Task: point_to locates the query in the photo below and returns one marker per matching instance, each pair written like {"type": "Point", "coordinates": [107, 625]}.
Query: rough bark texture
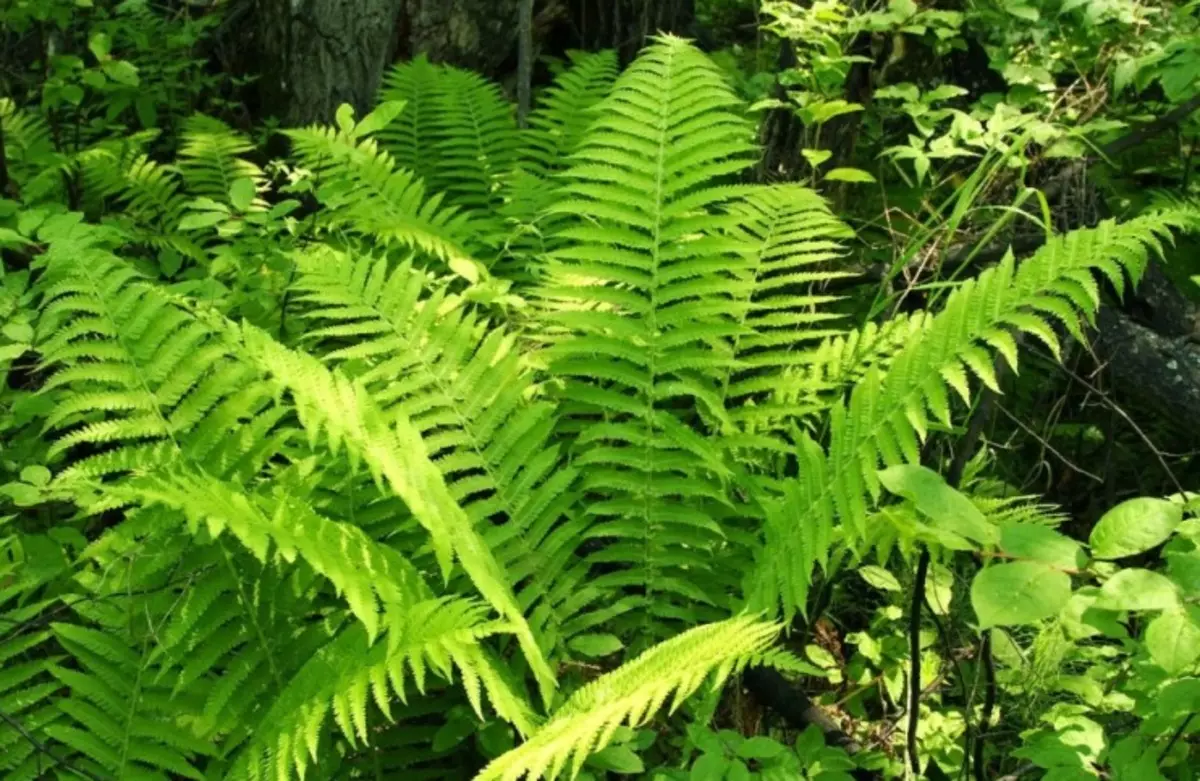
{"type": "Point", "coordinates": [624, 25]}
{"type": "Point", "coordinates": [318, 54]}
{"type": "Point", "coordinates": [476, 34]}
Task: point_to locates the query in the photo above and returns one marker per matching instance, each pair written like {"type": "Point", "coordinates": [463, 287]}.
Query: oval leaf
{"type": "Point", "coordinates": [1138, 589]}
{"type": "Point", "coordinates": [1173, 640]}
{"type": "Point", "coordinates": [1134, 526]}
{"type": "Point", "coordinates": [1023, 592]}
{"type": "Point", "coordinates": [1040, 543]}
{"type": "Point", "coordinates": [934, 498]}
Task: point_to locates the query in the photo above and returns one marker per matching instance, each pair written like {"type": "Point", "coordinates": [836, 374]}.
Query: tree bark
{"type": "Point", "coordinates": [476, 34]}
{"type": "Point", "coordinates": [318, 54]}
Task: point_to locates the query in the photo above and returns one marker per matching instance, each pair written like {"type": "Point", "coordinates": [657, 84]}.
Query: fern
{"type": "Point", "coordinates": [673, 670]}
{"type": "Point", "coordinates": [410, 137]}
{"type": "Point", "coordinates": [887, 415]}
{"type": "Point", "coordinates": [211, 159]}
{"type": "Point", "coordinates": [423, 355]}
{"type": "Point", "coordinates": [393, 452]}
{"type": "Point", "coordinates": [794, 238]}
{"type": "Point", "coordinates": [566, 110]}
{"type": "Point", "coordinates": [362, 188]}
{"type": "Point", "coordinates": [645, 286]}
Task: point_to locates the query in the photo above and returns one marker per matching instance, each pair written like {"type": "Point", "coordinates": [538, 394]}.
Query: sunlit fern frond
{"type": "Point", "coordinates": [888, 414]}
{"type": "Point", "coordinates": [796, 242]}
{"type": "Point", "coordinates": [631, 695]}
{"type": "Point", "coordinates": [354, 680]}
{"type": "Point", "coordinates": [211, 159]}
{"type": "Point", "coordinates": [645, 287]}
{"type": "Point", "coordinates": [342, 414]}
{"type": "Point", "coordinates": [362, 188]}
{"type": "Point", "coordinates": [139, 380]}
{"type": "Point", "coordinates": [426, 356]}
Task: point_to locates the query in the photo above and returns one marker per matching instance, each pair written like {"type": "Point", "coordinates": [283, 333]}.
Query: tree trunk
{"type": "Point", "coordinates": [476, 34]}
{"type": "Point", "coordinates": [625, 25]}
{"type": "Point", "coordinates": [318, 54]}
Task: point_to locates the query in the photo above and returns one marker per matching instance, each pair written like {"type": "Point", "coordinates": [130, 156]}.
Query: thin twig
{"type": "Point", "coordinates": [989, 703]}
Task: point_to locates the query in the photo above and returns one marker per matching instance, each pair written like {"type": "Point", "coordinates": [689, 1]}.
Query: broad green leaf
{"type": "Point", "coordinates": [596, 644]}
{"type": "Point", "coordinates": [848, 175]}
{"type": "Point", "coordinates": [199, 220]}
{"type": "Point", "coordinates": [816, 157]}
{"type": "Point", "coordinates": [1138, 589]}
{"type": "Point", "coordinates": [1023, 592]}
{"type": "Point", "coordinates": [99, 44]}
{"type": "Point", "coordinates": [1184, 570]}
{"type": "Point", "coordinates": [1040, 543]}
{"type": "Point", "coordinates": [344, 116]}
{"type": "Point", "coordinates": [18, 332]}
{"type": "Point", "coordinates": [943, 505]}
{"type": "Point", "coordinates": [879, 578]}
{"type": "Point", "coordinates": [759, 747]}
{"type": "Point", "coordinates": [121, 71]}
{"type": "Point", "coordinates": [1173, 639]}
{"type": "Point", "coordinates": [618, 759]}
{"type": "Point", "coordinates": [1179, 698]}
{"type": "Point", "coordinates": [242, 193]}
{"type": "Point", "coordinates": [939, 589]}
{"type": "Point", "coordinates": [380, 118]}
{"type": "Point", "coordinates": [36, 474]}
{"type": "Point", "coordinates": [1134, 526]}
{"type": "Point", "coordinates": [709, 767]}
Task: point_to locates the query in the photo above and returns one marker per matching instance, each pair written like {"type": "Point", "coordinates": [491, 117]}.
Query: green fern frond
{"type": "Point", "coordinates": [362, 188]}
{"type": "Point", "coordinates": [351, 678]}
{"type": "Point", "coordinates": [795, 239]}
{"type": "Point", "coordinates": [631, 694]}
{"type": "Point", "coordinates": [887, 415]}
{"type": "Point", "coordinates": [423, 355]}
{"type": "Point", "coordinates": [411, 137]}
{"type": "Point", "coordinates": [142, 380]}
{"type": "Point", "coordinates": [645, 286]}
{"type": "Point", "coordinates": [341, 413]}
{"type": "Point", "coordinates": [33, 163]}
{"type": "Point", "coordinates": [210, 159]}
{"type": "Point", "coordinates": [477, 141]}
{"type": "Point", "coordinates": [566, 109]}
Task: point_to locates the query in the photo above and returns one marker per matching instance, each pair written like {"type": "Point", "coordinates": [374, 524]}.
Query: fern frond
{"type": "Point", "coordinates": [566, 109]}
{"type": "Point", "coordinates": [211, 159]}
{"type": "Point", "coordinates": [645, 286]}
{"type": "Point", "coordinates": [362, 188]}
{"type": "Point", "coordinates": [342, 413]}
{"type": "Point", "coordinates": [795, 239]}
{"type": "Point", "coordinates": [477, 142]}
{"type": "Point", "coordinates": [144, 380]}
{"type": "Point", "coordinates": [426, 357]}
{"type": "Point", "coordinates": [631, 694]}
{"type": "Point", "coordinates": [411, 137]}
{"type": "Point", "coordinates": [351, 676]}
{"type": "Point", "coordinates": [887, 415]}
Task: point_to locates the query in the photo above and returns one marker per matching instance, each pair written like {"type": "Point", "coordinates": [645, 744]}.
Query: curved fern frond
{"type": "Point", "coordinates": [422, 355]}
{"type": "Point", "coordinates": [351, 676]}
{"type": "Point", "coordinates": [646, 285]}
{"type": "Point", "coordinates": [361, 188]}
{"type": "Point", "coordinates": [887, 415]}
{"type": "Point", "coordinates": [341, 413]}
{"type": "Point", "coordinates": [631, 694]}
{"type": "Point", "coordinates": [140, 379]}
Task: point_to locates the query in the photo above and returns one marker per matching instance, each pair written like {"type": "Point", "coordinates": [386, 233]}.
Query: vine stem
{"type": "Point", "coordinates": [989, 702]}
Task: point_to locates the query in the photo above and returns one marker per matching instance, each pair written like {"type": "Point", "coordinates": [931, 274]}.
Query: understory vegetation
{"type": "Point", "coordinates": [751, 411]}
